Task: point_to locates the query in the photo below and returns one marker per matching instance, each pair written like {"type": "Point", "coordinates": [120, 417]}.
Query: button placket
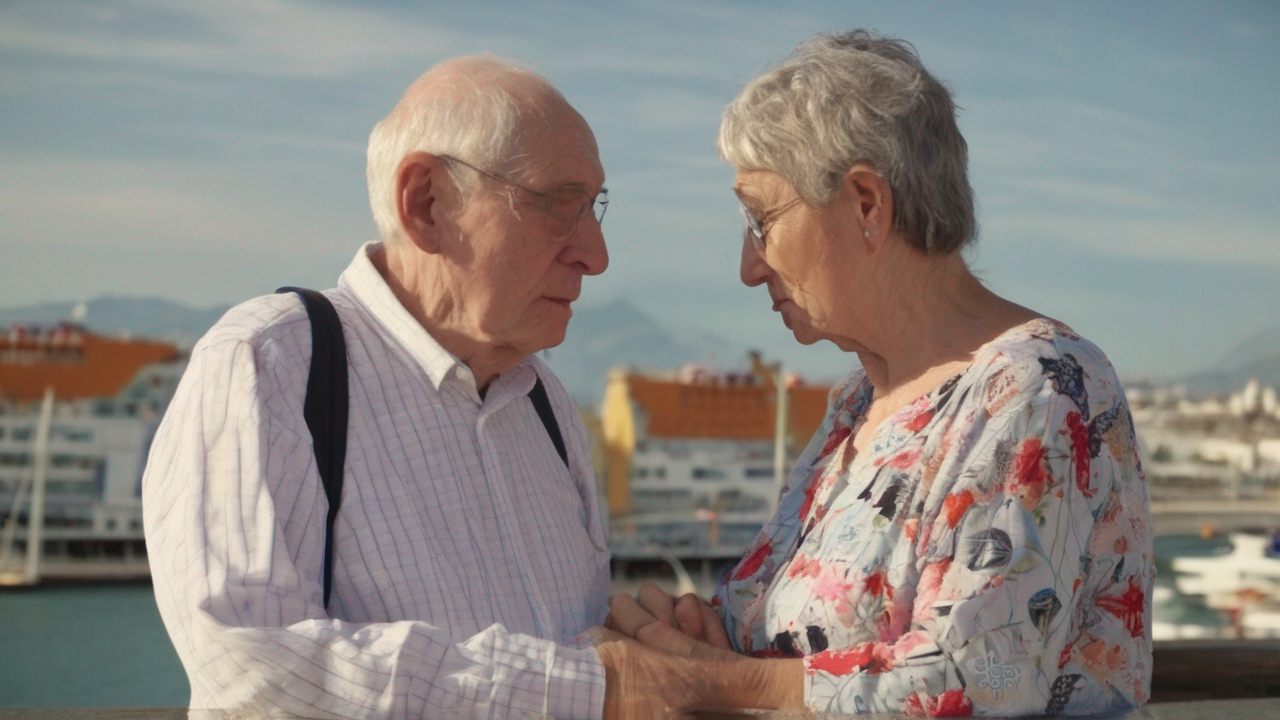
{"type": "Point", "coordinates": [497, 482]}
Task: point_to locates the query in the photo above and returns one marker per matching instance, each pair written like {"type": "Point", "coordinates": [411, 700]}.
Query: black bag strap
{"type": "Point", "coordinates": [325, 408]}
{"type": "Point", "coordinates": [538, 395]}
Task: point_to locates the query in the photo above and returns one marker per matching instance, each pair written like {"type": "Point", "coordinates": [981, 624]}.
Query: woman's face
{"type": "Point", "coordinates": [808, 261]}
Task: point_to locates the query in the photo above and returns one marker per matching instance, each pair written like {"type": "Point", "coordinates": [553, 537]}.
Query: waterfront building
{"type": "Point", "coordinates": [100, 400]}
{"type": "Point", "coordinates": [691, 457]}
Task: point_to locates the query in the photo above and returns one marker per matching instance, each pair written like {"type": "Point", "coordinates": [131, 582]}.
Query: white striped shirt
{"type": "Point", "coordinates": [468, 562]}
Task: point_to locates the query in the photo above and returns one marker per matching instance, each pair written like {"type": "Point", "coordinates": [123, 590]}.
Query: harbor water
{"type": "Point", "coordinates": [104, 645]}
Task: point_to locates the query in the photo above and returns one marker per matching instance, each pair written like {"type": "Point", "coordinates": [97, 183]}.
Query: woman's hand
{"type": "Point", "coordinates": [689, 614]}
{"type": "Point", "coordinates": [667, 673]}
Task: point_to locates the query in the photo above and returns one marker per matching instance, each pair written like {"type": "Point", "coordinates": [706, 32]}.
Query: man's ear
{"type": "Point", "coordinates": [871, 202]}
{"type": "Point", "coordinates": [416, 194]}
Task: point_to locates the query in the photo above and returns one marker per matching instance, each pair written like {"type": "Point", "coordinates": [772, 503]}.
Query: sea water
{"type": "Point", "coordinates": [86, 645]}
{"type": "Point", "coordinates": [105, 646]}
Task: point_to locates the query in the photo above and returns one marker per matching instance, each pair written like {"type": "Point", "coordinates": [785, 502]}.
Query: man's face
{"type": "Point", "coordinates": [520, 276]}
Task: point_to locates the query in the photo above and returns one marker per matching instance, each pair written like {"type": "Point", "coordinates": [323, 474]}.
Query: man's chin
{"type": "Point", "coordinates": [552, 337]}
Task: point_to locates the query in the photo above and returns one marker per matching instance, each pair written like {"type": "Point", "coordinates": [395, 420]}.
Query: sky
{"type": "Point", "coordinates": [1124, 156]}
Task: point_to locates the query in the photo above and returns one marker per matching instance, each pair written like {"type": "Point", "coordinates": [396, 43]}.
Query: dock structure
{"type": "Point", "coordinates": [77, 413]}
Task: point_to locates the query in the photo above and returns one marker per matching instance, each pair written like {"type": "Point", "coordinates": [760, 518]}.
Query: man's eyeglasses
{"type": "Point", "coordinates": [564, 208]}
{"type": "Point", "coordinates": [757, 228]}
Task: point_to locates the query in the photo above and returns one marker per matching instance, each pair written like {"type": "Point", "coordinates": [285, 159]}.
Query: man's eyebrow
{"type": "Point", "coordinates": [577, 187]}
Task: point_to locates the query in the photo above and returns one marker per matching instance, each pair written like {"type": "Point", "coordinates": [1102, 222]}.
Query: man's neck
{"type": "Point", "coordinates": [485, 361]}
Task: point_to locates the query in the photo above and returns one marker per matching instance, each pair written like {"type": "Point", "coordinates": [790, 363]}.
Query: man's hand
{"type": "Point", "coordinates": [666, 674]}
{"type": "Point", "coordinates": [689, 614]}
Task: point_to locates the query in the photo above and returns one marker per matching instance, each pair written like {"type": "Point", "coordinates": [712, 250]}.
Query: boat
{"type": "Point", "coordinates": [78, 411]}
{"type": "Point", "coordinates": [1243, 584]}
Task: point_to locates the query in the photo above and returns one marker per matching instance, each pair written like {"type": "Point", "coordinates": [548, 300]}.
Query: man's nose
{"type": "Point", "coordinates": [586, 248]}
{"type": "Point", "coordinates": [752, 269]}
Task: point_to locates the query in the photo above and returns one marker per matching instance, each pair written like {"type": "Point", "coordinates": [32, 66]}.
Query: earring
{"type": "Point", "coordinates": [866, 234]}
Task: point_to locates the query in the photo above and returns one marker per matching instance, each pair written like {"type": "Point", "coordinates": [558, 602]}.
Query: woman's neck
{"type": "Point", "coordinates": [933, 315]}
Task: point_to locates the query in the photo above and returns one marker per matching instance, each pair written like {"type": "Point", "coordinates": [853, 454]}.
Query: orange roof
{"type": "Point", "coordinates": [729, 412]}
{"type": "Point", "coordinates": [78, 364]}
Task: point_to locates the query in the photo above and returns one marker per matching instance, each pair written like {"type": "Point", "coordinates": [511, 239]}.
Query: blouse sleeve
{"type": "Point", "coordinates": [1031, 578]}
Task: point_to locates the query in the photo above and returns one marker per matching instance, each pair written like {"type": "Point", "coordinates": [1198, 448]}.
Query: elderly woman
{"type": "Point", "coordinates": [968, 533]}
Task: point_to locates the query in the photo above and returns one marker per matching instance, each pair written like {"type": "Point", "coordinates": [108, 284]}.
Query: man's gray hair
{"type": "Point", "coordinates": [475, 121]}
{"type": "Point", "coordinates": [842, 99]}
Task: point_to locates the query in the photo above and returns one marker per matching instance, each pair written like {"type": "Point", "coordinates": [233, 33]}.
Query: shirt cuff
{"type": "Point", "coordinates": [575, 684]}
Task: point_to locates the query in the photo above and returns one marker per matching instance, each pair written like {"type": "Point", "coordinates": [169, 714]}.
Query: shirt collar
{"type": "Point", "coordinates": [364, 281]}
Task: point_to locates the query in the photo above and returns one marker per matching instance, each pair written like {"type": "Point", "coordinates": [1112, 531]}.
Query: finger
{"type": "Point", "coordinates": [666, 639]}
{"type": "Point", "coordinates": [713, 628]}
{"type": "Point", "coordinates": [604, 634]}
{"type": "Point", "coordinates": [674, 642]}
{"type": "Point", "coordinates": [689, 616]}
{"type": "Point", "coordinates": [658, 603]}
{"type": "Point", "coordinates": [628, 616]}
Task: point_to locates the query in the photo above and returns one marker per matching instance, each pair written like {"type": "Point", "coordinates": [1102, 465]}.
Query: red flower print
{"type": "Point", "coordinates": [917, 423]}
{"type": "Point", "coordinates": [862, 657]}
{"type": "Point", "coordinates": [930, 585]}
{"type": "Point", "coordinates": [1128, 607]}
{"type": "Point", "coordinates": [803, 566]}
{"type": "Point", "coordinates": [838, 435]}
{"type": "Point", "coordinates": [1065, 656]}
{"type": "Point", "coordinates": [752, 562]}
{"type": "Point", "coordinates": [809, 494]}
{"type": "Point", "coordinates": [1029, 475]}
{"type": "Point", "coordinates": [877, 584]}
{"type": "Point", "coordinates": [955, 505]}
{"type": "Point", "coordinates": [952, 703]}
{"type": "Point", "coordinates": [906, 459]}
{"type": "Point", "coordinates": [911, 528]}
{"type": "Point", "coordinates": [1080, 451]}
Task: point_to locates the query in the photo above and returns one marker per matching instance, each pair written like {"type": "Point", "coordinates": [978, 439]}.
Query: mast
{"type": "Point", "coordinates": [40, 463]}
{"type": "Point", "coordinates": [782, 413]}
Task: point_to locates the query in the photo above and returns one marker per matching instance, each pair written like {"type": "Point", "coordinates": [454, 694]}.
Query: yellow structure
{"type": "Point", "coordinates": [638, 408]}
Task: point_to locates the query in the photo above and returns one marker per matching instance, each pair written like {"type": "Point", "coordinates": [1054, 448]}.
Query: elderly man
{"type": "Point", "coordinates": [468, 557]}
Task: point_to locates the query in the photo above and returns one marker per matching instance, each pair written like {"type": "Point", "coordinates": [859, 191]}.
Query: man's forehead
{"type": "Point", "coordinates": [562, 153]}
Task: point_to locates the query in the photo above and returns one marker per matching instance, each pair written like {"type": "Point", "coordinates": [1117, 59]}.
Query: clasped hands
{"type": "Point", "coordinates": [664, 657]}
{"type": "Point", "coordinates": [685, 627]}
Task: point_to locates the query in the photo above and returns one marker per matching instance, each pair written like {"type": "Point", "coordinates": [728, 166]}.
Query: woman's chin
{"type": "Point", "coordinates": [804, 334]}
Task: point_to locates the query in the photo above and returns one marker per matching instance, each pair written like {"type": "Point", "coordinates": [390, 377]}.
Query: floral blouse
{"type": "Point", "coordinates": [988, 553]}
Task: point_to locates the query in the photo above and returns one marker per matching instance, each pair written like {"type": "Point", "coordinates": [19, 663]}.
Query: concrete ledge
{"type": "Point", "coordinates": [1208, 710]}
{"type": "Point", "coordinates": [1188, 670]}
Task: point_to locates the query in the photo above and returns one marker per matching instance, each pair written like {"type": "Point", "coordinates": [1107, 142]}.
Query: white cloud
{"type": "Point", "coordinates": [664, 109]}
{"type": "Point", "coordinates": [158, 203]}
{"type": "Point", "coordinates": [1210, 239]}
{"type": "Point", "coordinates": [1251, 31]}
{"type": "Point", "coordinates": [236, 37]}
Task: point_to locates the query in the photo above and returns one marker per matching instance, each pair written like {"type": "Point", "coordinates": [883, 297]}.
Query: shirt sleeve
{"type": "Point", "coordinates": [248, 622]}
{"type": "Point", "coordinates": [1023, 604]}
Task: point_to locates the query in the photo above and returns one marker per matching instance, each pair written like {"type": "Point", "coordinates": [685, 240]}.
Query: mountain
{"type": "Point", "coordinates": [599, 338]}
{"type": "Point", "coordinates": [1256, 357]}
{"type": "Point", "coordinates": [153, 318]}
{"type": "Point", "coordinates": [618, 334]}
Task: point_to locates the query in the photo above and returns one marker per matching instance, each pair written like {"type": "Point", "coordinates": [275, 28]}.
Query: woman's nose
{"type": "Point", "coordinates": [752, 269]}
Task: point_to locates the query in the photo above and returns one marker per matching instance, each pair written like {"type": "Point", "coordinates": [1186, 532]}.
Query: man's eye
{"type": "Point", "coordinates": [568, 203]}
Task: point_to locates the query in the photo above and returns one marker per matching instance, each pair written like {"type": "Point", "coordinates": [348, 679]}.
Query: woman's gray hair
{"type": "Point", "coordinates": [856, 97]}
{"type": "Point", "coordinates": [474, 121]}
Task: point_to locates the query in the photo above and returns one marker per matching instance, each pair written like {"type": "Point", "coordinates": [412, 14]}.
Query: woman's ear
{"type": "Point", "coordinates": [871, 202]}
{"type": "Point", "coordinates": [416, 199]}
